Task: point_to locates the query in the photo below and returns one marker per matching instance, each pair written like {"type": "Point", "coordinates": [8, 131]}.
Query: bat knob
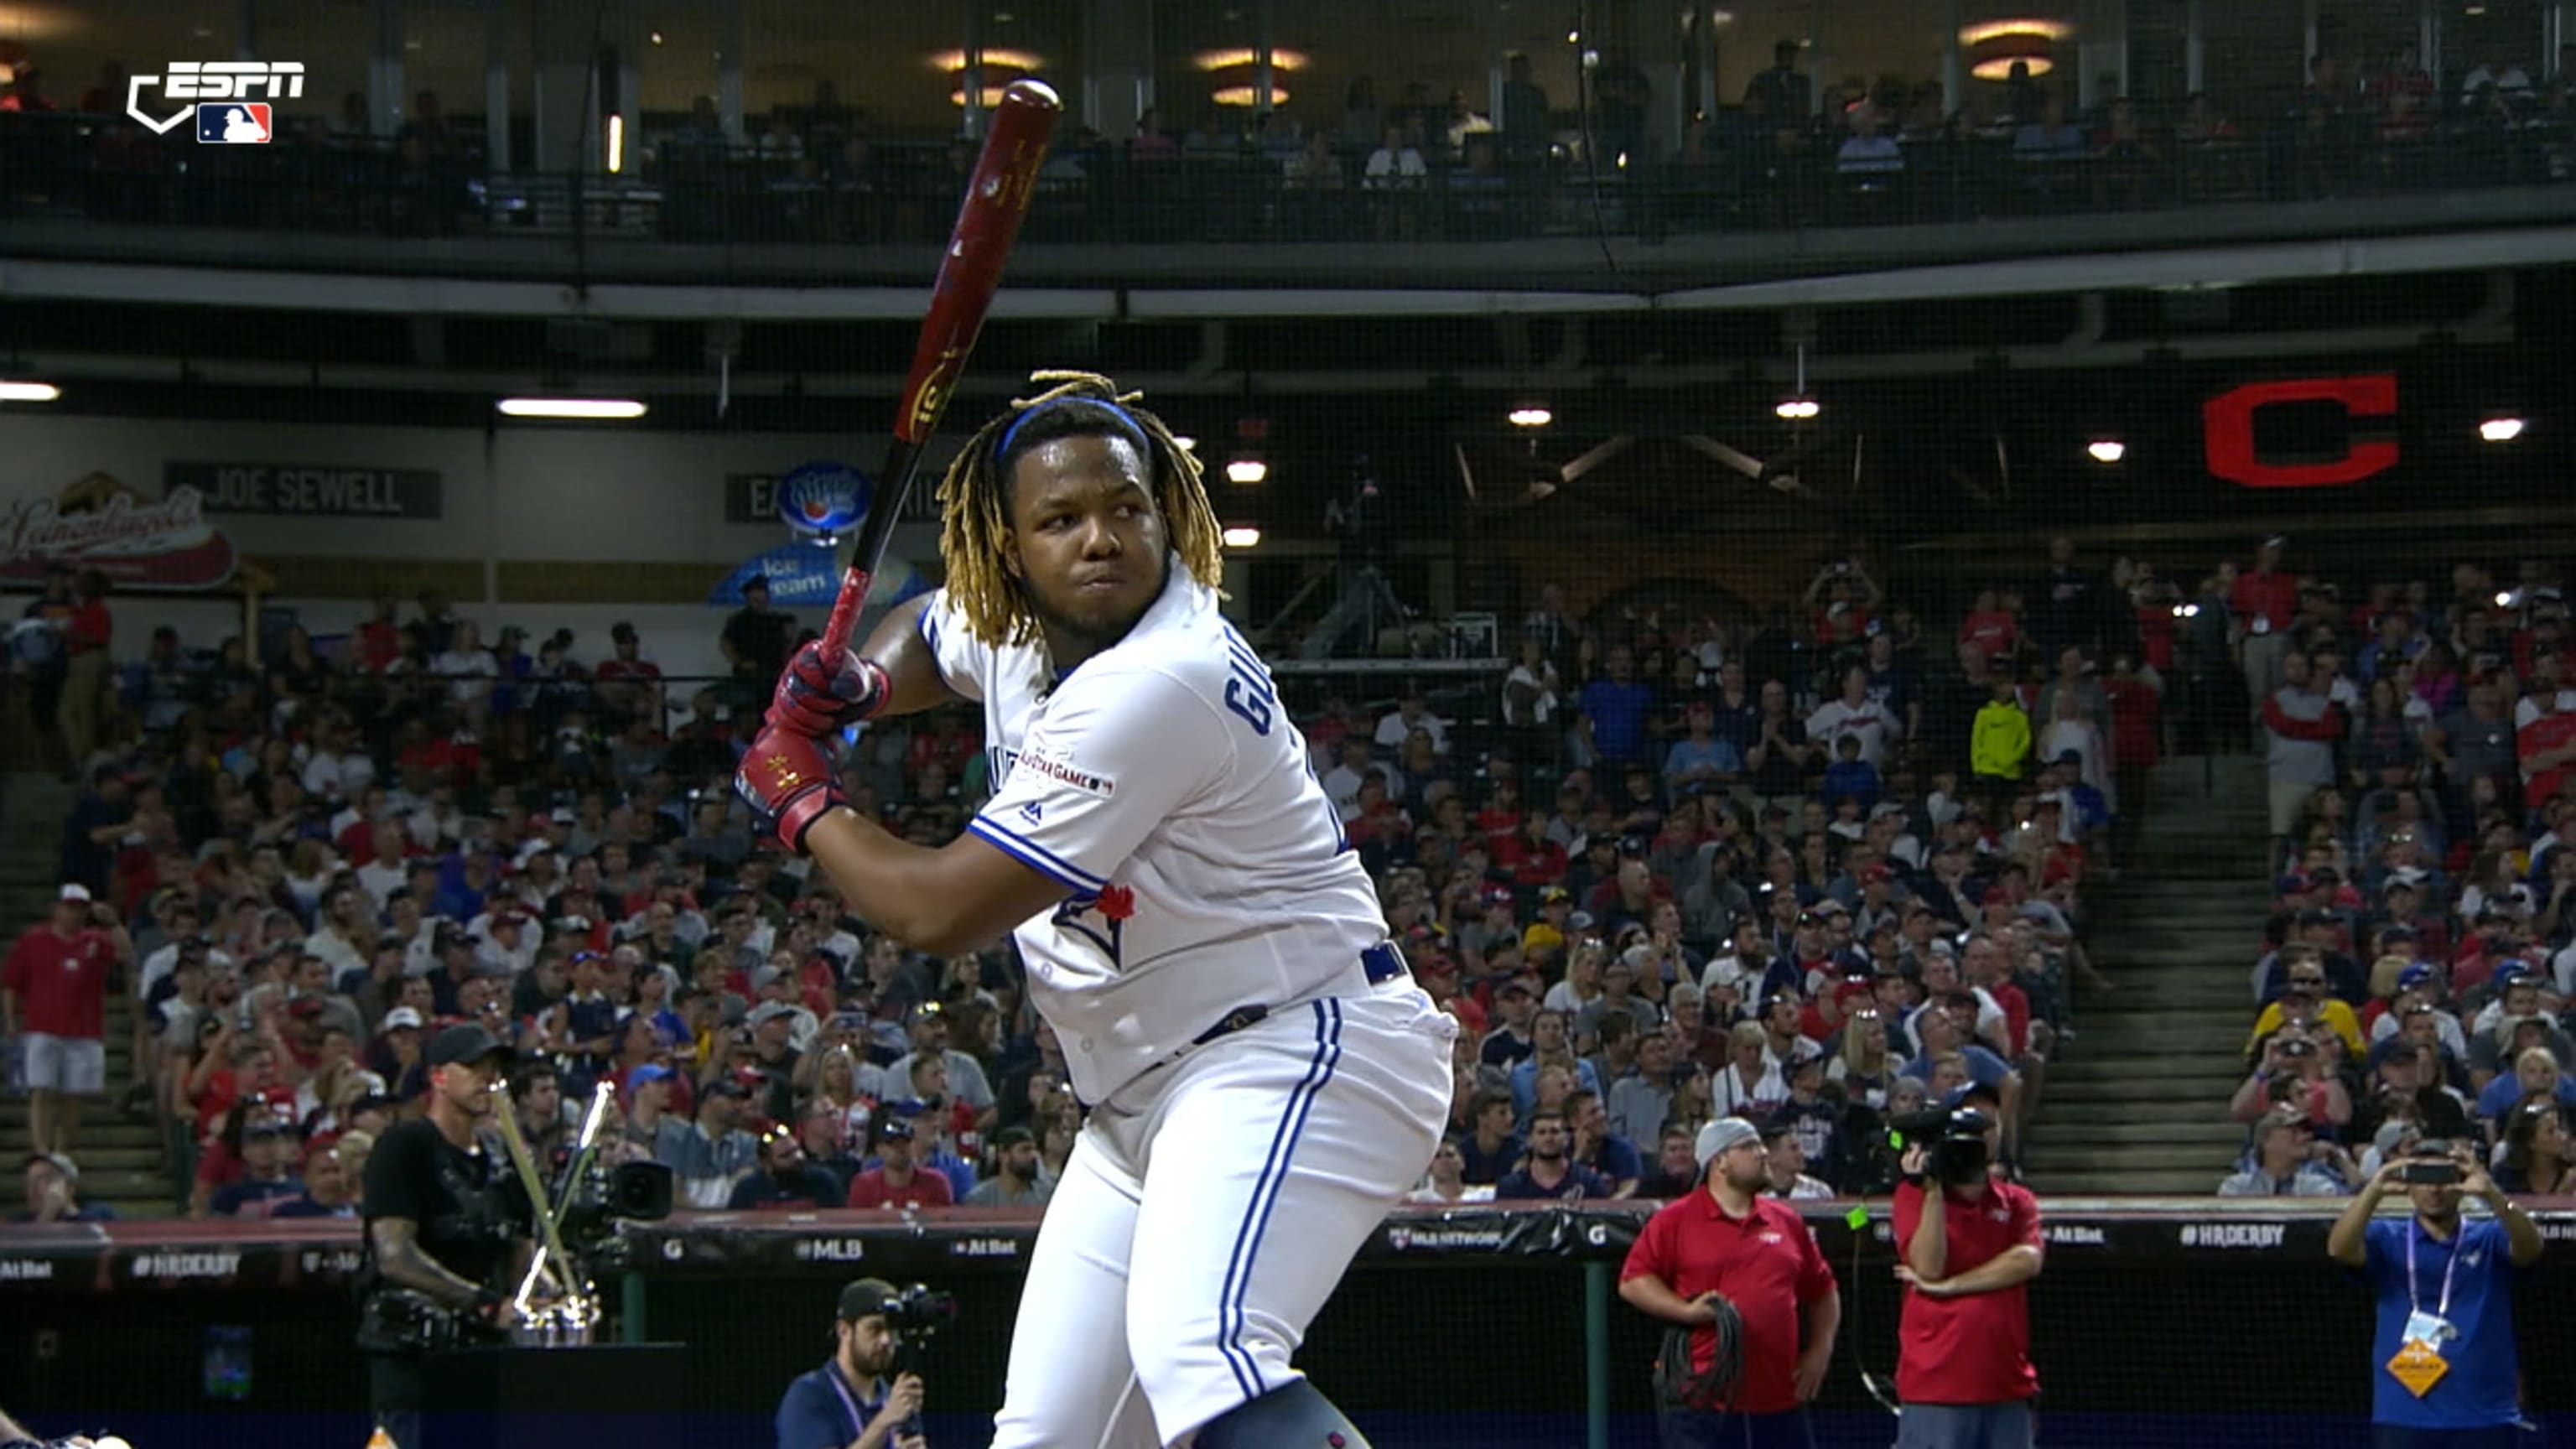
{"type": "Point", "coordinates": [1032, 93]}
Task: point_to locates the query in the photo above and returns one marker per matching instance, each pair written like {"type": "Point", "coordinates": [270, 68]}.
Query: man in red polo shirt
{"type": "Point", "coordinates": [2265, 602]}
{"type": "Point", "coordinates": [54, 988]}
{"type": "Point", "coordinates": [1971, 1241]}
{"type": "Point", "coordinates": [1729, 1242]}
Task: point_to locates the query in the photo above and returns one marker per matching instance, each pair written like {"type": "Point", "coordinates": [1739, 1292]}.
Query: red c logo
{"type": "Point", "coordinates": [2228, 423]}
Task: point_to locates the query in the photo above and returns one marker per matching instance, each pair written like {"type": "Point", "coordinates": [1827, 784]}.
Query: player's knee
{"type": "Point", "coordinates": [1296, 1415]}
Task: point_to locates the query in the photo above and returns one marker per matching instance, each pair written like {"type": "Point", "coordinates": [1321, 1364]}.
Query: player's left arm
{"type": "Point", "coordinates": [2521, 1234]}
{"type": "Point", "coordinates": [2010, 1268]}
{"type": "Point", "coordinates": [1117, 754]}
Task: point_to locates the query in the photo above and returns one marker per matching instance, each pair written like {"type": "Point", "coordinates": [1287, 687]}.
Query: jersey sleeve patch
{"type": "Point", "coordinates": [1112, 758]}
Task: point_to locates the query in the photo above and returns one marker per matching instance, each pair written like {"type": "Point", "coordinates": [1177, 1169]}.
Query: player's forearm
{"type": "Point", "coordinates": [2519, 1230]}
{"type": "Point", "coordinates": [2015, 1265]}
{"type": "Point", "coordinates": [2345, 1240]}
{"type": "Point", "coordinates": [887, 881]}
{"type": "Point", "coordinates": [400, 1260]}
{"type": "Point", "coordinates": [1928, 1251]}
{"type": "Point", "coordinates": [1650, 1294]}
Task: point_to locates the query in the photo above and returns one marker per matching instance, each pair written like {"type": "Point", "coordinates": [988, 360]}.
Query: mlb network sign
{"type": "Point", "coordinates": [221, 92]}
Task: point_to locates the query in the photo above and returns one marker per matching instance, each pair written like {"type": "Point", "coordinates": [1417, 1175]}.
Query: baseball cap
{"type": "Point", "coordinates": [401, 1017]}
{"type": "Point", "coordinates": [647, 1074]}
{"type": "Point", "coordinates": [865, 1298]}
{"type": "Point", "coordinates": [58, 1162]}
{"type": "Point", "coordinates": [1012, 1137]}
{"type": "Point", "coordinates": [1498, 894]}
{"type": "Point", "coordinates": [621, 630]}
{"type": "Point", "coordinates": [2415, 975]}
{"type": "Point", "coordinates": [75, 891]}
{"type": "Point", "coordinates": [1513, 987]}
{"type": "Point", "coordinates": [464, 1045]}
{"type": "Point", "coordinates": [1553, 894]}
{"type": "Point", "coordinates": [2515, 970]}
{"type": "Point", "coordinates": [769, 1011]}
{"type": "Point", "coordinates": [1722, 1134]}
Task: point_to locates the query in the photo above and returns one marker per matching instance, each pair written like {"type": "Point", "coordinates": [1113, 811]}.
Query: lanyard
{"type": "Point", "coordinates": [2414, 1301]}
{"type": "Point", "coordinates": [858, 1420]}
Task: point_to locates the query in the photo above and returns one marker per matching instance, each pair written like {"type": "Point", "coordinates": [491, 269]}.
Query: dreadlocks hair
{"type": "Point", "coordinates": [975, 496]}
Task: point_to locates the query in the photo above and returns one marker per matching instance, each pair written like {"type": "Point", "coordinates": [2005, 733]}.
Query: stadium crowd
{"type": "Point", "coordinates": [2420, 957]}
{"type": "Point", "coordinates": [1818, 869]}
{"type": "Point", "coordinates": [1415, 163]}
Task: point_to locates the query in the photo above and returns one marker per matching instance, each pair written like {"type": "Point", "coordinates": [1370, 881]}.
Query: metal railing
{"type": "Point", "coordinates": [1730, 179]}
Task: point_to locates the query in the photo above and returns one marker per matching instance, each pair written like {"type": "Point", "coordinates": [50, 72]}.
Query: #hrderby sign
{"type": "Point", "coordinates": [101, 523]}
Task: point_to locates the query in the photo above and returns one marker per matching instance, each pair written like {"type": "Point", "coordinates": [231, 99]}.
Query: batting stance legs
{"type": "Point", "coordinates": [1207, 1212]}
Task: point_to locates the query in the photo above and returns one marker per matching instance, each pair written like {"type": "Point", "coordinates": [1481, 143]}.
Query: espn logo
{"type": "Point", "coordinates": [234, 123]}
{"type": "Point", "coordinates": [231, 83]}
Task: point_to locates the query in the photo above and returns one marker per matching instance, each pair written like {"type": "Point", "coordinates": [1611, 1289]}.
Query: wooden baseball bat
{"type": "Point", "coordinates": [997, 198]}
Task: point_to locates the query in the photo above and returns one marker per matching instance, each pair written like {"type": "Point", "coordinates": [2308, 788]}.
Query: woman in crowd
{"type": "Point", "coordinates": [2537, 1157]}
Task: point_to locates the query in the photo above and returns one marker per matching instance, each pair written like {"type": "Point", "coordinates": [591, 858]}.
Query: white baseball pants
{"type": "Point", "coordinates": [1207, 1212]}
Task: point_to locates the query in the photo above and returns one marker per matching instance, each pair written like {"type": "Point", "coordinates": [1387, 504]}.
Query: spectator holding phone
{"type": "Point", "coordinates": [2445, 1364]}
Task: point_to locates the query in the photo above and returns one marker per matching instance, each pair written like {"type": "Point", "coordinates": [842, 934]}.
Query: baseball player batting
{"type": "Point", "coordinates": [1264, 1077]}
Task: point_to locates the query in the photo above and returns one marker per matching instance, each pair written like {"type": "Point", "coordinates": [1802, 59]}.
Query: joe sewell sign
{"type": "Point", "coordinates": [309, 490]}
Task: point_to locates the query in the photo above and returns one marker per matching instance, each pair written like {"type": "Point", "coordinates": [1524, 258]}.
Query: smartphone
{"type": "Point", "coordinates": [227, 1362]}
{"type": "Point", "coordinates": [2430, 1172]}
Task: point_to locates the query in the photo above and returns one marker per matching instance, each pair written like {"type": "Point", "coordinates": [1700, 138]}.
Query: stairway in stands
{"type": "Point", "coordinates": [2139, 1103]}
{"type": "Point", "coordinates": [119, 1156]}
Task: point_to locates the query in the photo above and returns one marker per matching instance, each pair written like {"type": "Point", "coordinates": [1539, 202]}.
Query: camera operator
{"type": "Point", "coordinates": [849, 1403]}
{"type": "Point", "coordinates": [2448, 1366]}
{"type": "Point", "coordinates": [446, 1227]}
{"type": "Point", "coordinates": [1738, 1271]}
{"type": "Point", "coordinates": [1970, 1241]}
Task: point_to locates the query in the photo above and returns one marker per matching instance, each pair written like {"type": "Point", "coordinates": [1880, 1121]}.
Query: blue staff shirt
{"type": "Point", "coordinates": [822, 1411]}
{"type": "Point", "coordinates": [2478, 1392]}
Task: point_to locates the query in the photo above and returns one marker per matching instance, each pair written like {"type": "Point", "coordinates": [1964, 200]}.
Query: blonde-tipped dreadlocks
{"type": "Point", "coordinates": [975, 509]}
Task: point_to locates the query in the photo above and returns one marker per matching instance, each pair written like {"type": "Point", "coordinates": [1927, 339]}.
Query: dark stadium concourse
{"type": "Point", "coordinates": [1939, 629]}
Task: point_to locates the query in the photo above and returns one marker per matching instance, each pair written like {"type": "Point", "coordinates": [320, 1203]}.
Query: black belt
{"type": "Point", "coordinates": [1382, 963]}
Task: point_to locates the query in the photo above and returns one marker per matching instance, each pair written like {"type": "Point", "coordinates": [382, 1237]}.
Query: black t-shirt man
{"type": "Point", "coordinates": [758, 637]}
{"type": "Point", "coordinates": [464, 1204]}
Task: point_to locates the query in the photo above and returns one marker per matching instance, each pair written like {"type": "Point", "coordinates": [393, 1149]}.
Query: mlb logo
{"type": "Point", "coordinates": [234, 123]}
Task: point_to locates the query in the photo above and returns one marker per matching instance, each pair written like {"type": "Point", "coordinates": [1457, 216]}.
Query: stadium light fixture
{"type": "Point", "coordinates": [1798, 409]}
{"type": "Point", "coordinates": [1246, 470]}
{"type": "Point", "coordinates": [591, 408]}
{"type": "Point", "coordinates": [616, 143]}
{"type": "Point", "coordinates": [1242, 536]}
{"type": "Point", "coordinates": [2500, 430]}
{"type": "Point", "coordinates": [1531, 416]}
{"type": "Point", "coordinates": [37, 392]}
{"type": "Point", "coordinates": [2107, 450]}
{"type": "Point", "coordinates": [1281, 58]}
{"type": "Point", "coordinates": [994, 57]}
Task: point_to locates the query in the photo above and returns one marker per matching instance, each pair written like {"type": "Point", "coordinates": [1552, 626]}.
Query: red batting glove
{"type": "Point", "coordinates": [819, 695]}
{"type": "Point", "coordinates": [788, 783]}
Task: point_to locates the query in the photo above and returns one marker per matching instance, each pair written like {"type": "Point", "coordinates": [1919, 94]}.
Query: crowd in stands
{"type": "Point", "coordinates": [1815, 869]}
{"type": "Point", "coordinates": [1793, 149]}
{"type": "Point", "coordinates": [2421, 954]}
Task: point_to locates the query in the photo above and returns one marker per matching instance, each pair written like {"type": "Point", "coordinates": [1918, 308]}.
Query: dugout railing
{"type": "Point", "coordinates": [2193, 1323]}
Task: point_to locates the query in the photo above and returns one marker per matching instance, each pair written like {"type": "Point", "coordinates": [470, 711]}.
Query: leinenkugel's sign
{"type": "Point", "coordinates": [309, 490]}
{"type": "Point", "coordinates": [100, 523]}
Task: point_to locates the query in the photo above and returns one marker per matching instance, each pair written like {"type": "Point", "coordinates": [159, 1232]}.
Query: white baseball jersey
{"type": "Point", "coordinates": [1164, 786]}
